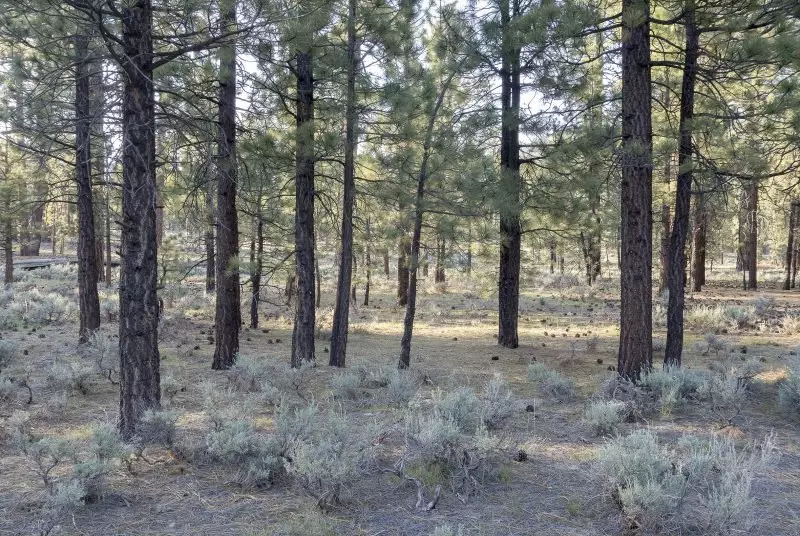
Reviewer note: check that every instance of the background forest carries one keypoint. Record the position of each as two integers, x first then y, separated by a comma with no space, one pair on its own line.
548,249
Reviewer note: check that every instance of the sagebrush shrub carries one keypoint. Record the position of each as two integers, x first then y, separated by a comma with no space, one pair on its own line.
700,487
8,351
460,406
789,390
551,382
348,386
401,387
158,427
70,376
497,402
604,416
104,352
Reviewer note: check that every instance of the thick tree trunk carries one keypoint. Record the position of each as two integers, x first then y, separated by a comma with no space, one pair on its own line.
228,318
636,240
138,303
341,312
305,314
88,300
510,180
665,235
683,194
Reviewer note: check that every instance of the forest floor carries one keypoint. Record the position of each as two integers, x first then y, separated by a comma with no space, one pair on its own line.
569,327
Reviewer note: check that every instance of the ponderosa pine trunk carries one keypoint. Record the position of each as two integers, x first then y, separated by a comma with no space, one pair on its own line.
403,260
368,260
664,256
97,105
510,180
88,299
386,271
751,237
228,317
676,280
699,245
341,312
138,302
636,239
790,244
305,314
258,265
211,264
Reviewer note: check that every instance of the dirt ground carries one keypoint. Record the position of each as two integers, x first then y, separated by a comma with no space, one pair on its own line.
553,492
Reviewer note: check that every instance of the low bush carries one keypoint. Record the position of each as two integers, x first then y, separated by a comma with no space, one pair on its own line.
604,416
497,402
158,427
71,377
700,487
550,382
401,387
8,351
461,407
789,390
104,352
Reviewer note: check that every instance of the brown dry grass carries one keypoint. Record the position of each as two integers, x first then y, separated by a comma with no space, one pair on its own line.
552,493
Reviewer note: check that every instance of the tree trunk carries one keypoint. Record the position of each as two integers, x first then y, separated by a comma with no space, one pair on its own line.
510,180
138,303
683,194
8,244
699,257
419,211
228,318
665,237
255,278
108,236
88,300
790,244
386,263
342,310
97,107
305,314
752,234
441,252
403,259
368,262
636,240
211,265
553,257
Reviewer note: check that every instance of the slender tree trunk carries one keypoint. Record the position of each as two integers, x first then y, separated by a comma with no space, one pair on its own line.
441,251
419,211
683,194
403,272
8,243
386,271
368,262
469,248
341,312
97,106
665,237
160,184
553,257
510,180
699,232
752,234
88,300
211,265
108,236
790,245
228,318
255,279
635,341
138,303
303,333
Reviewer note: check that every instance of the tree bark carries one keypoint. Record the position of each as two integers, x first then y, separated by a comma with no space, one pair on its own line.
636,240
303,332
88,300
255,278
228,318
683,193
752,234
138,328
211,265
699,257
403,260
368,262
790,244
441,252
665,237
341,312
510,179
386,263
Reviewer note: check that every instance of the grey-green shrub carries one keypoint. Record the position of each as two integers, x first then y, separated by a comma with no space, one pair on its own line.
8,351
104,352
497,402
789,390
700,487
348,386
604,416
70,376
158,427
461,407
401,387
551,382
